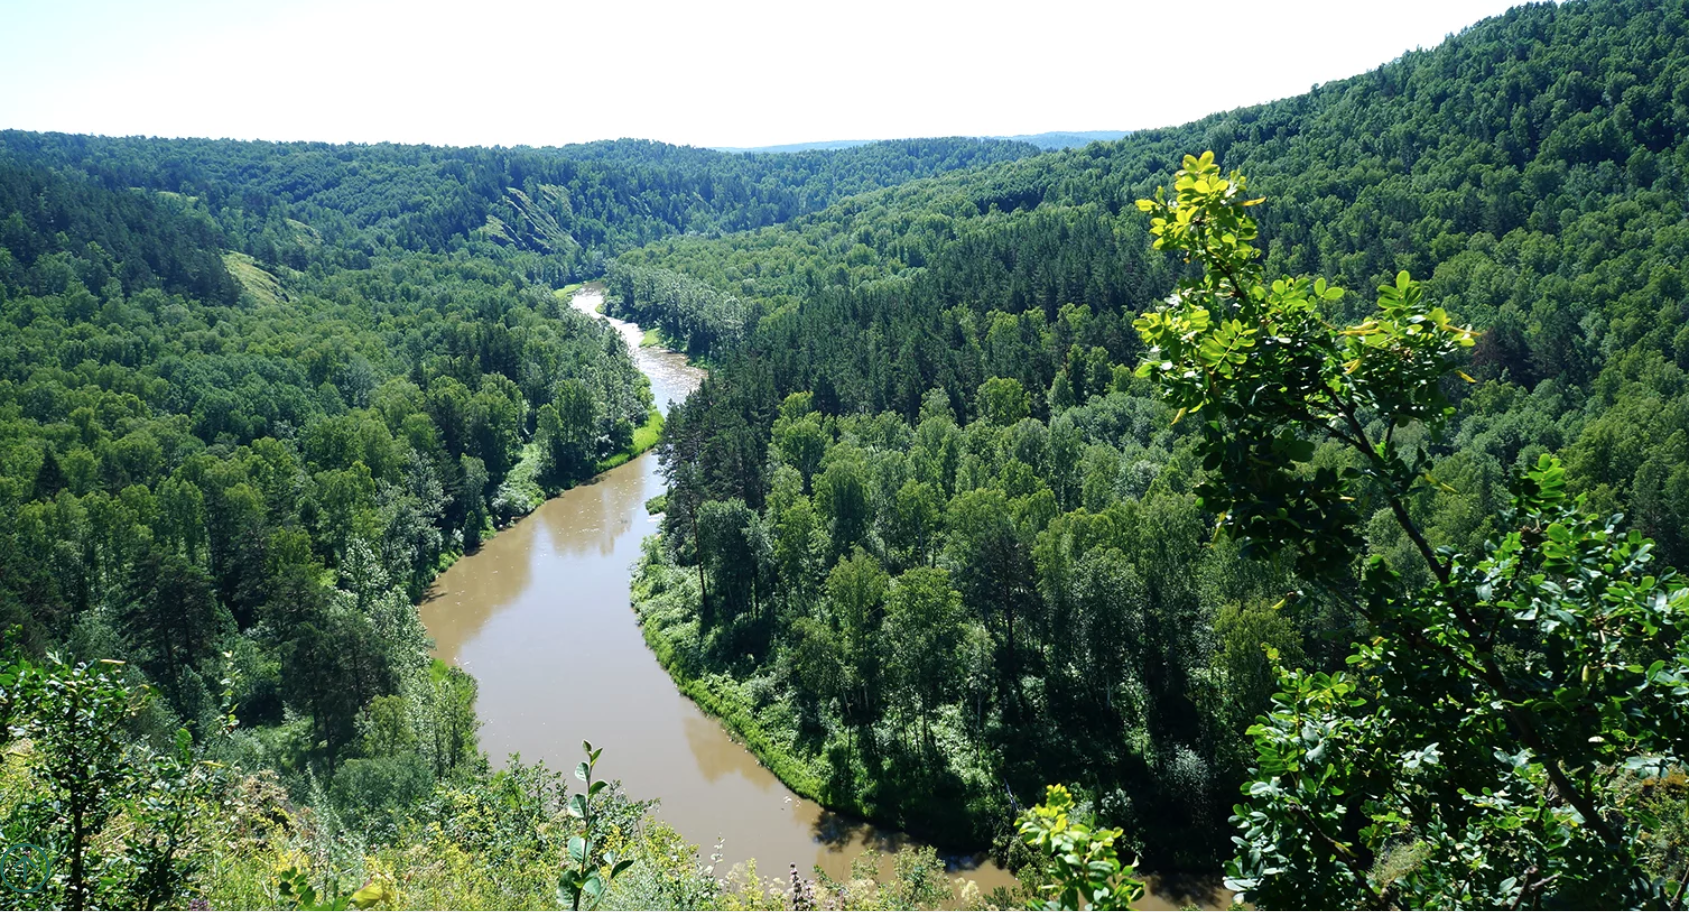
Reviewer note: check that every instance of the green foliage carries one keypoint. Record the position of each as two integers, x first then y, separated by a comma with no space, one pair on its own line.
1002,401
75,716
117,821
1528,171
163,855
295,891
271,473
1497,762
696,317
589,869
1081,862
253,396
1472,755
557,211
926,658
930,622
1263,369
236,378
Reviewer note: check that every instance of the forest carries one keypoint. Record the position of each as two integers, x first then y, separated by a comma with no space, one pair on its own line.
253,398
934,542
1291,494
556,213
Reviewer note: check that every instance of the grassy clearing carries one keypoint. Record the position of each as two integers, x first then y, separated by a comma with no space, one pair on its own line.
650,340
521,491
644,438
264,288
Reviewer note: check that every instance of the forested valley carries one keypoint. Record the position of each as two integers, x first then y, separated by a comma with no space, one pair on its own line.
1287,497
253,397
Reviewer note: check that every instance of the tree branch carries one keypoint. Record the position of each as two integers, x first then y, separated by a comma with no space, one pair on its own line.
1347,854
1392,496
1490,673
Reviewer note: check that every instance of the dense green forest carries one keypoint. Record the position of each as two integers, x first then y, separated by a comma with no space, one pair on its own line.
566,209
930,543
253,397
1014,470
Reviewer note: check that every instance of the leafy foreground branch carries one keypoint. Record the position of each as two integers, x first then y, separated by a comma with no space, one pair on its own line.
110,821
1083,867
1490,742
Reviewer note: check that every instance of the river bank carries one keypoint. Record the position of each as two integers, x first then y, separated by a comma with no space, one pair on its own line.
540,615
669,632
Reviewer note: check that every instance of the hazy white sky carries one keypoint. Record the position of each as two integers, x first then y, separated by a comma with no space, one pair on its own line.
708,72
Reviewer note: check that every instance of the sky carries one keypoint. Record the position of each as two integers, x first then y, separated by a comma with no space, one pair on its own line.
705,73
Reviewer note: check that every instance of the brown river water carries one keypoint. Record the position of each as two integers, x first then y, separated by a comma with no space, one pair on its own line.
540,615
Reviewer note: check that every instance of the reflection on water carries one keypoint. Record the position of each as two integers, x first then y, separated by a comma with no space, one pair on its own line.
592,520
541,616
484,583
716,756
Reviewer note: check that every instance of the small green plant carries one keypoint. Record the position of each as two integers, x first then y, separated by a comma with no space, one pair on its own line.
1080,862
587,872
297,892
75,715
175,787
122,823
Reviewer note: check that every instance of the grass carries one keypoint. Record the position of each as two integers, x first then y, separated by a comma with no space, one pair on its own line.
650,340
727,705
644,438
265,290
524,476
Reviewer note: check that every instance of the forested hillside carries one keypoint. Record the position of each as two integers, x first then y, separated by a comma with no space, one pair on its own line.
567,208
931,544
253,397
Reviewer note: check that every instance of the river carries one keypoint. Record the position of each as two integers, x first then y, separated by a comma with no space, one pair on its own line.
540,615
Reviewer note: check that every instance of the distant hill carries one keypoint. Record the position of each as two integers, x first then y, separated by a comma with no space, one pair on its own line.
1062,140
574,204
823,146
1067,139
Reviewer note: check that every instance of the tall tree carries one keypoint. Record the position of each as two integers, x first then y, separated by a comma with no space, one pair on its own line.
925,628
